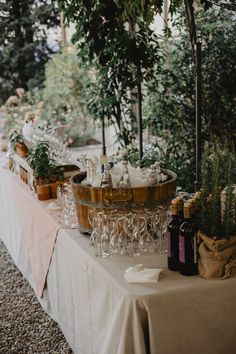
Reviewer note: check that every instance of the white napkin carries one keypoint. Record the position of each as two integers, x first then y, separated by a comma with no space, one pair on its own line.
140,274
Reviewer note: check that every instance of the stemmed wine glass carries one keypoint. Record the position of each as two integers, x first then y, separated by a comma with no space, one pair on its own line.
118,236
163,219
146,241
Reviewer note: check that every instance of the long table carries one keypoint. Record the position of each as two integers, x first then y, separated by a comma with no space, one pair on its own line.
100,313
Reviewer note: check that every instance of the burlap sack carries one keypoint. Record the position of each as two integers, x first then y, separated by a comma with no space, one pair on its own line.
217,258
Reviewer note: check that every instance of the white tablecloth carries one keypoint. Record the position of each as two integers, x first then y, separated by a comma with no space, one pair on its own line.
100,313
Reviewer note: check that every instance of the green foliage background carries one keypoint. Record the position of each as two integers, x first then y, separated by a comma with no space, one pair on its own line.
65,95
116,38
170,101
218,172
24,48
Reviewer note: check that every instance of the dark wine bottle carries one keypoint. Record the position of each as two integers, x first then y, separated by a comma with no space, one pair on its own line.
188,259
173,237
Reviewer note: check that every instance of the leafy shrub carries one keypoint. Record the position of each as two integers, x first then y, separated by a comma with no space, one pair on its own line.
18,108
218,172
170,103
63,100
65,95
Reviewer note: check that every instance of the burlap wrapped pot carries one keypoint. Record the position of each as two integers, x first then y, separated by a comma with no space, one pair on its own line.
217,257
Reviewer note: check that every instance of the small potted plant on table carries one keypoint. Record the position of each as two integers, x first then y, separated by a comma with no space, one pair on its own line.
18,145
44,168
217,235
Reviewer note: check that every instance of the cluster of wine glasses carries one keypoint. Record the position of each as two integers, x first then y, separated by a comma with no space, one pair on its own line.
65,201
130,233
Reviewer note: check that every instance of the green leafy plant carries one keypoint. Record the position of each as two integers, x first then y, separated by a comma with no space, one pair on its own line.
170,100
24,46
131,153
117,40
15,138
116,37
218,172
65,96
43,165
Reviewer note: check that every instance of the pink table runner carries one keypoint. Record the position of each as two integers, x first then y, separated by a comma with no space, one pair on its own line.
39,228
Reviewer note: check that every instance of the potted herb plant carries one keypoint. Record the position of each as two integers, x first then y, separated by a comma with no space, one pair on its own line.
17,144
44,168
217,235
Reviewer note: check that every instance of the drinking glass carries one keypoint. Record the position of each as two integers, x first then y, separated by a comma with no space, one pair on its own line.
163,220
95,238
69,211
119,238
137,226
146,241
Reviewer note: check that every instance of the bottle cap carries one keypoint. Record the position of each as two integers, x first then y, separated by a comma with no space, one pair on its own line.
192,201
198,194
174,208
187,210
174,201
180,202
196,201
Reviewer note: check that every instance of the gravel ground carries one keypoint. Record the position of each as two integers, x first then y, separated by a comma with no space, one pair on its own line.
24,327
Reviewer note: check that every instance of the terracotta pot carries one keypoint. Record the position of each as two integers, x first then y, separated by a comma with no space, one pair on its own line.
22,150
43,192
10,163
25,174
53,190
21,173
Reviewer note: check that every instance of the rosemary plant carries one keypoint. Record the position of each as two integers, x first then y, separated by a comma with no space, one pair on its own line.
218,172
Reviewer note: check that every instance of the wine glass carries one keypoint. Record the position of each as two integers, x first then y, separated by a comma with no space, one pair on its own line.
105,242
162,230
146,241
118,239
128,232
136,251
95,221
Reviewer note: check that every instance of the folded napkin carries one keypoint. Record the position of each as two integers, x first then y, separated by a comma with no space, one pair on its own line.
140,274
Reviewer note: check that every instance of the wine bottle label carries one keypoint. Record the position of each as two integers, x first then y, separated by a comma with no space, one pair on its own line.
168,243
181,249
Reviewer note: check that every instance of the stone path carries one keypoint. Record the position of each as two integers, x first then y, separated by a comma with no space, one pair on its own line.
24,327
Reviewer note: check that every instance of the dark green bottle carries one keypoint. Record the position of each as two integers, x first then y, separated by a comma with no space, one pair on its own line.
188,256
173,237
